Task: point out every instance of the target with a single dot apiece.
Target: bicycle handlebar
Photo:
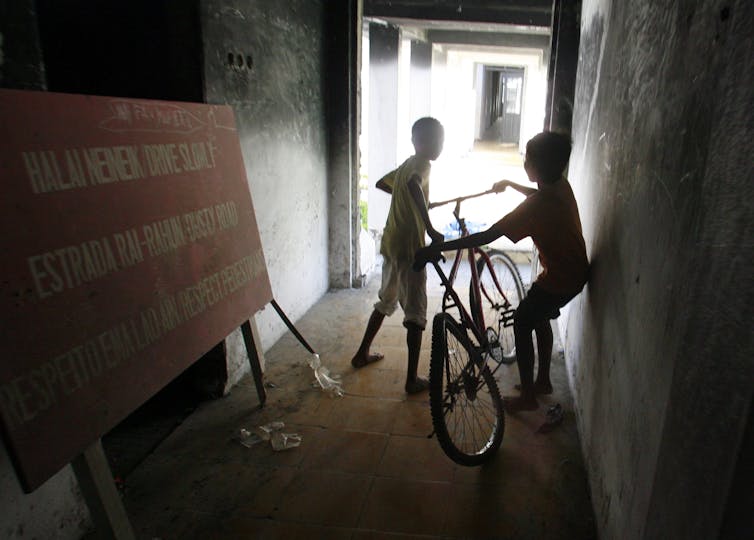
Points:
(418, 266)
(460, 199)
(457, 200)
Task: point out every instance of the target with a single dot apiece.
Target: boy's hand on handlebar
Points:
(499, 187)
(425, 255)
(437, 237)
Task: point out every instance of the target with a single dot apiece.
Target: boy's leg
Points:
(385, 306)
(535, 313)
(413, 300)
(527, 401)
(414, 383)
(362, 356)
(544, 349)
(525, 320)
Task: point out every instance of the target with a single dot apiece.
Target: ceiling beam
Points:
(494, 39)
(515, 12)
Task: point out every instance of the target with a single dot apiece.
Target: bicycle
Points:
(465, 403)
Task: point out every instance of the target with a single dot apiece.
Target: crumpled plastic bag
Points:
(553, 418)
(330, 384)
(271, 432)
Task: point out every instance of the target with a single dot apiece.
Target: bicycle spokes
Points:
(466, 407)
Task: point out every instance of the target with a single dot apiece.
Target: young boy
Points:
(406, 224)
(550, 216)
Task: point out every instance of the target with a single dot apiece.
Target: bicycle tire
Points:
(511, 287)
(467, 411)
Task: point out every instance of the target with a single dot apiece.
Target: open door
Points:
(512, 89)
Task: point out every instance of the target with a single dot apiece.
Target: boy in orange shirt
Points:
(550, 216)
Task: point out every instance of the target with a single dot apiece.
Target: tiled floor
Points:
(366, 469)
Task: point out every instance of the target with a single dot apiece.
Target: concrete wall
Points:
(659, 345)
(280, 112)
(56, 509)
(420, 81)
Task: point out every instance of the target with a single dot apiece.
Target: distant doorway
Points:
(504, 89)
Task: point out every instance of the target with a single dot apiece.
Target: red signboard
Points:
(129, 249)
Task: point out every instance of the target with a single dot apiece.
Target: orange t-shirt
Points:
(550, 216)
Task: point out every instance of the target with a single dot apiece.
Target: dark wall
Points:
(21, 65)
(267, 59)
(660, 344)
(563, 62)
(342, 33)
(140, 48)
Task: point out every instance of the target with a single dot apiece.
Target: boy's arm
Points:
(432, 252)
(502, 184)
(414, 187)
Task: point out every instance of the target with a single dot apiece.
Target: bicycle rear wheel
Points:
(467, 411)
(499, 298)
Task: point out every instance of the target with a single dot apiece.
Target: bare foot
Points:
(539, 388)
(417, 386)
(361, 361)
(514, 404)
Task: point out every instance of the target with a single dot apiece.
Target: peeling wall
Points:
(55, 510)
(265, 58)
(659, 345)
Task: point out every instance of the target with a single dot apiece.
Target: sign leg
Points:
(102, 498)
(252, 341)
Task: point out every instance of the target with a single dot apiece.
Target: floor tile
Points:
(323, 498)
(345, 451)
(378, 535)
(413, 418)
(260, 495)
(376, 383)
(418, 458)
(406, 506)
(240, 528)
(364, 414)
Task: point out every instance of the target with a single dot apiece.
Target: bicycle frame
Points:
(473, 321)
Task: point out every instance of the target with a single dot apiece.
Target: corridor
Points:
(365, 468)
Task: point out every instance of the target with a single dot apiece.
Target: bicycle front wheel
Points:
(501, 290)
(467, 411)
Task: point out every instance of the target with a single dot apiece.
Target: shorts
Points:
(540, 305)
(402, 285)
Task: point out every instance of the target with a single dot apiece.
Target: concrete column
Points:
(384, 47)
(343, 29)
(564, 56)
(420, 91)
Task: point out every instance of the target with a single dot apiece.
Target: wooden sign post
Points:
(130, 248)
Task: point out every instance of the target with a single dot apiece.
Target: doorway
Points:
(504, 89)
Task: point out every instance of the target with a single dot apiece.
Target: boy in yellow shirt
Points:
(406, 224)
